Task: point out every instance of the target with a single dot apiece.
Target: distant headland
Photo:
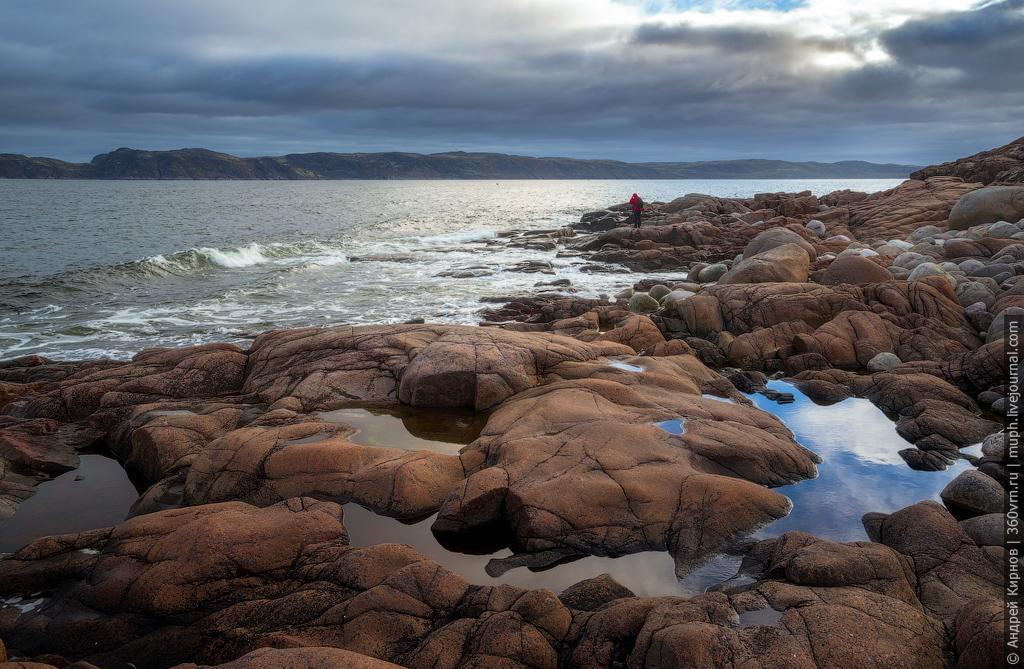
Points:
(204, 164)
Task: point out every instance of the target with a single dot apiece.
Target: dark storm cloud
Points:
(985, 46)
(86, 77)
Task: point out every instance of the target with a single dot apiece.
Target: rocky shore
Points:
(607, 427)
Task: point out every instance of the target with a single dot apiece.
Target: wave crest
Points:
(207, 257)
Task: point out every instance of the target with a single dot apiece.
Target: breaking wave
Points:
(206, 258)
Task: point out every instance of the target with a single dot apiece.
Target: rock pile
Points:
(604, 433)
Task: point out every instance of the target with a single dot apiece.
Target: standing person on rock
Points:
(637, 203)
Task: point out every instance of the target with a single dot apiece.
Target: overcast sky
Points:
(884, 80)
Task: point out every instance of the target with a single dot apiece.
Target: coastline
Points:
(611, 426)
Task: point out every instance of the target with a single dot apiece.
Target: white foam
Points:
(246, 256)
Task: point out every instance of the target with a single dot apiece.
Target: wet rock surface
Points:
(596, 428)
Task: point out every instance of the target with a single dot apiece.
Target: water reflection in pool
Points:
(438, 430)
(677, 426)
(861, 469)
(648, 573)
(97, 494)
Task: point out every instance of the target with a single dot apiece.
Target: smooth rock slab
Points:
(265, 464)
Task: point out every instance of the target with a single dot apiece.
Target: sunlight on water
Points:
(104, 268)
(648, 573)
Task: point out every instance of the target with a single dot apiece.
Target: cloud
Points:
(885, 79)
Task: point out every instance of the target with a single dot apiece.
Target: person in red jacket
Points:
(637, 203)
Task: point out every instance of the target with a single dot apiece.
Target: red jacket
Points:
(636, 203)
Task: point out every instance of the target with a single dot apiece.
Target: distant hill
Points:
(206, 164)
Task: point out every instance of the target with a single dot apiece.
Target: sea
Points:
(104, 269)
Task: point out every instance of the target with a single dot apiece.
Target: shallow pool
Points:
(97, 494)
(438, 430)
(861, 469)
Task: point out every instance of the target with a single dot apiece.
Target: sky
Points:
(637, 80)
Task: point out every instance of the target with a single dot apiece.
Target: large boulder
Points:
(787, 263)
(775, 237)
(838, 326)
(854, 269)
(988, 205)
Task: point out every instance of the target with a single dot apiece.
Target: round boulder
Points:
(776, 237)
(971, 265)
(909, 259)
(855, 270)
(927, 269)
(1002, 230)
(899, 272)
(997, 328)
(987, 205)
(985, 530)
(695, 270)
(971, 292)
(973, 493)
(889, 250)
(994, 445)
(642, 303)
(659, 291)
(924, 232)
(784, 264)
(673, 300)
(712, 272)
(816, 227)
(883, 361)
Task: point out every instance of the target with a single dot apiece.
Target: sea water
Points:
(94, 269)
